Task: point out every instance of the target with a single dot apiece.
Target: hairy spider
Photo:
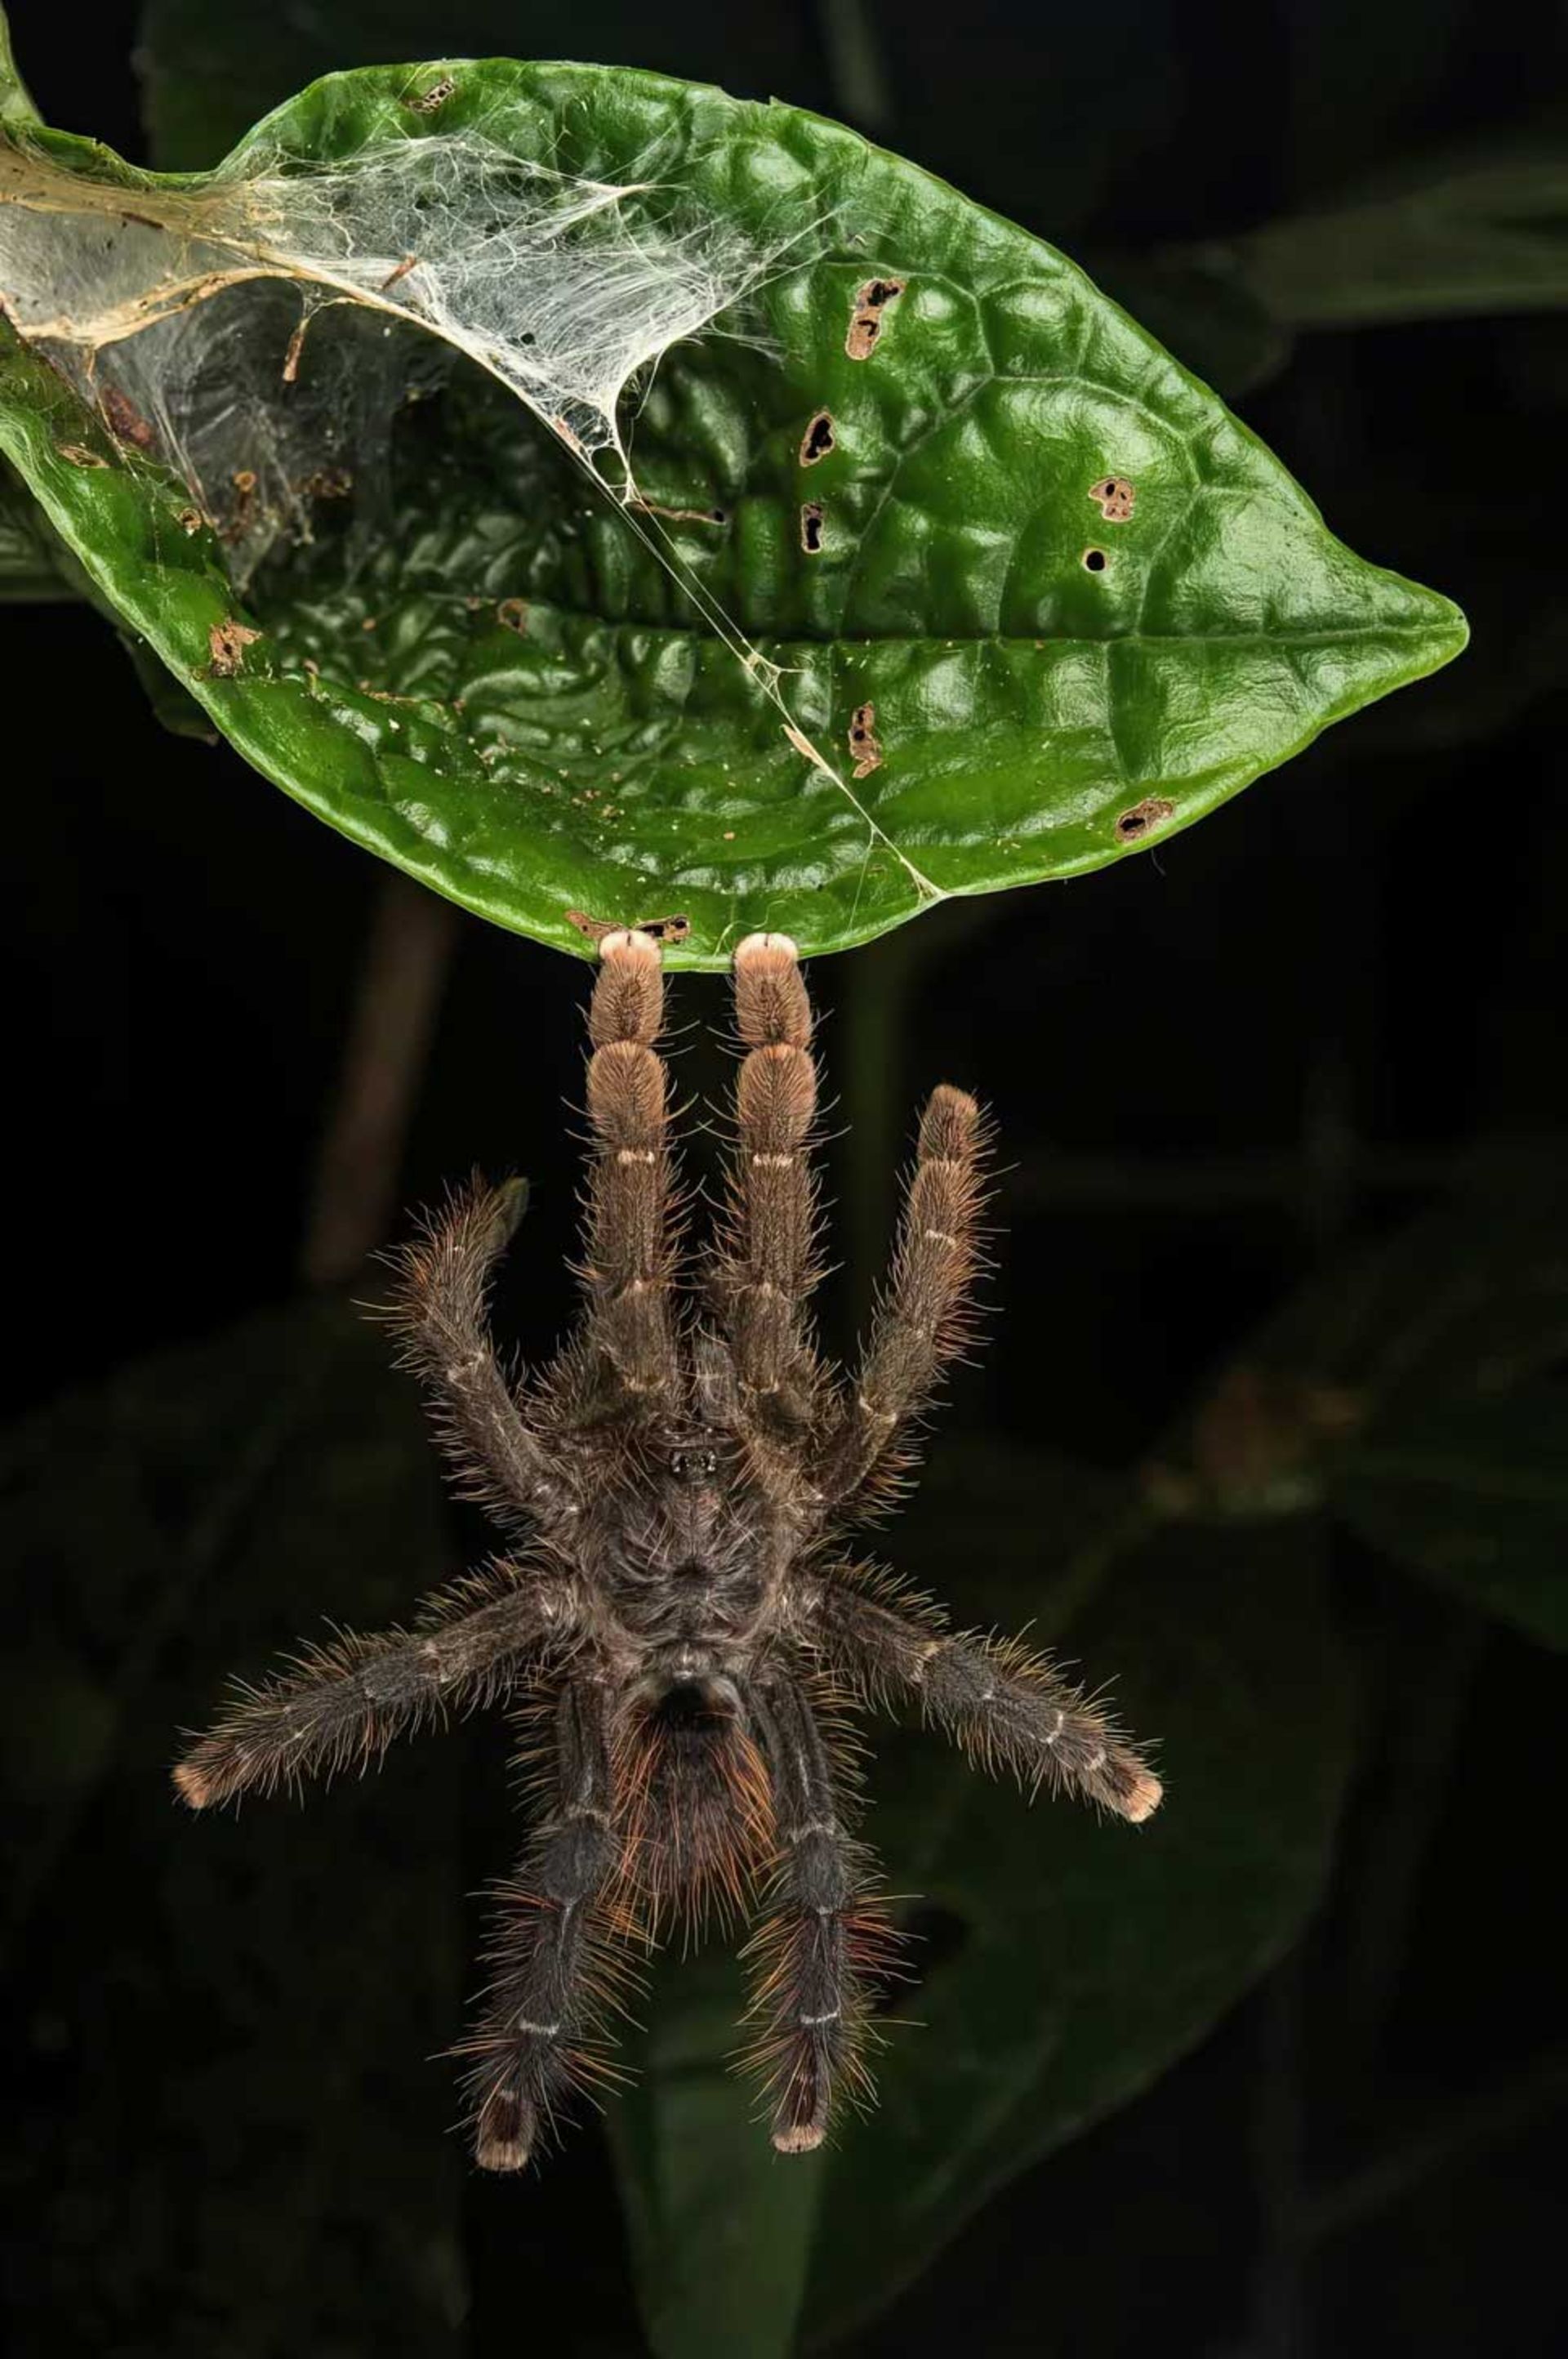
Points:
(674, 1621)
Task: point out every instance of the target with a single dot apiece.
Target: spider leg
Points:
(765, 1265)
(1006, 1707)
(439, 1313)
(820, 1937)
(624, 1360)
(541, 2029)
(344, 1703)
(923, 1322)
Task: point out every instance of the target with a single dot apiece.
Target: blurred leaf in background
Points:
(1450, 236)
(1409, 1389)
(1062, 1968)
(226, 2136)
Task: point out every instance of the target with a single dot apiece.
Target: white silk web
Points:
(565, 289)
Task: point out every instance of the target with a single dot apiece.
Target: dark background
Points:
(1336, 1003)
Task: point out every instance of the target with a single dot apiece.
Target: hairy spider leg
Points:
(441, 1320)
(558, 1969)
(339, 1706)
(925, 1319)
(625, 1364)
(766, 1262)
(821, 1936)
(1006, 1706)
(675, 1604)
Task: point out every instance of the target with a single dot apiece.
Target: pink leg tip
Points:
(764, 946)
(628, 943)
(800, 2137)
(191, 1786)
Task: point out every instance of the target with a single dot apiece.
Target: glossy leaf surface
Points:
(26, 565)
(500, 687)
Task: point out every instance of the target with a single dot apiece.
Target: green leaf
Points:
(15, 101)
(609, 752)
(264, 1988)
(1200, 302)
(36, 568)
(1083, 1958)
(1475, 1494)
(28, 570)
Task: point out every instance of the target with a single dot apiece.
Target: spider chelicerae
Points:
(675, 1624)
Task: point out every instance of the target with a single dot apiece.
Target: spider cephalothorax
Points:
(674, 1624)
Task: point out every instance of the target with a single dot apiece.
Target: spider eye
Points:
(696, 1465)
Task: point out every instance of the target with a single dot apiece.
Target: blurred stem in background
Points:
(411, 943)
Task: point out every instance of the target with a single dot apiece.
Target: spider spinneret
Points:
(674, 1622)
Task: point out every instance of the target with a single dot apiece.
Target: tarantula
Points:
(674, 1622)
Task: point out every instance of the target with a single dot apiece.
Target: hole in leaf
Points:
(1150, 813)
(817, 440)
(1094, 560)
(662, 930)
(1115, 496)
(811, 527)
(427, 102)
(228, 641)
(865, 745)
(866, 319)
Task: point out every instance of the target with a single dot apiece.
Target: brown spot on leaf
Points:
(426, 102)
(512, 613)
(123, 420)
(1115, 496)
(817, 440)
(80, 455)
(191, 520)
(866, 320)
(811, 527)
(228, 640)
(1152, 812)
(864, 743)
(662, 930)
